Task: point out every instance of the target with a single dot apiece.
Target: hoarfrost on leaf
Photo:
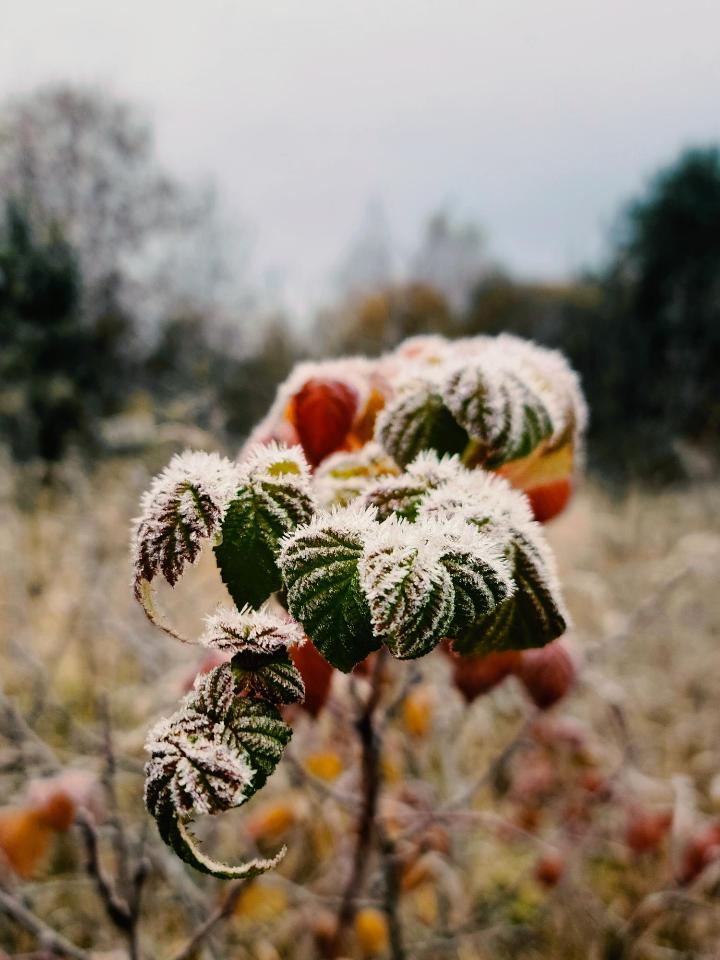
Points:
(319, 563)
(249, 631)
(183, 508)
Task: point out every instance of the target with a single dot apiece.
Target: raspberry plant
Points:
(383, 505)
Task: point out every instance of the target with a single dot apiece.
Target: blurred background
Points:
(193, 197)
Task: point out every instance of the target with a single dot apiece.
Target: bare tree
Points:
(76, 157)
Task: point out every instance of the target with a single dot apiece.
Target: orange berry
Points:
(272, 821)
(24, 839)
(371, 930)
(549, 499)
(417, 871)
(326, 764)
(646, 829)
(57, 811)
(702, 849)
(417, 711)
(547, 673)
(261, 901)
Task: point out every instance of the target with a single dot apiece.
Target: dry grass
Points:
(641, 579)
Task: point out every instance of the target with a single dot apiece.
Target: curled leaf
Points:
(183, 508)
(212, 755)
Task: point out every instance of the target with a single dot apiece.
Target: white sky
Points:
(534, 118)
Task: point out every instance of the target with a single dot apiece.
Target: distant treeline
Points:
(643, 329)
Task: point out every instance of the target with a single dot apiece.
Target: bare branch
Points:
(47, 937)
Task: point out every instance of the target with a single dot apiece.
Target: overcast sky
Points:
(536, 118)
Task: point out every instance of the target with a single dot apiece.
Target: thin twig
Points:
(391, 900)
(115, 906)
(48, 938)
(220, 913)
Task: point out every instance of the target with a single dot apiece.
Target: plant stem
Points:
(370, 781)
(392, 893)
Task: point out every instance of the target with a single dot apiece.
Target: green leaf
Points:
(481, 581)
(410, 594)
(402, 496)
(320, 568)
(533, 615)
(430, 580)
(256, 727)
(504, 415)
(275, 678)
(418, 419)
(263, 510)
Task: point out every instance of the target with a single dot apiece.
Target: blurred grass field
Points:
(640, 577)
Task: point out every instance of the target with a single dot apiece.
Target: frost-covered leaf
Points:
(260, 643)
(481, 580)
(182, 509)
(409, 591)
(418, 419)
(257, 727)
(535, 614)
(271, 498)
(344, 476)
(212, 755)
(249, 631)
(275, 679)
(479, 497)
(551, 376)
(319, 563)
(427, 581)
(503, 413)
(403, 495)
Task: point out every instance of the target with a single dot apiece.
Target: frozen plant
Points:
(383, 505)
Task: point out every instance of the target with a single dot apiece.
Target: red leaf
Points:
(322, 412)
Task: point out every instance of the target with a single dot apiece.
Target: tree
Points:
(80, 159)
(663, 290)
(451, 257)
(58, 373)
